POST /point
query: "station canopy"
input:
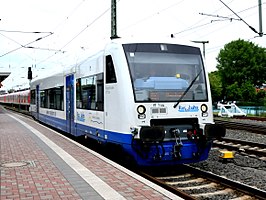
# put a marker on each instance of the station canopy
(3, 76)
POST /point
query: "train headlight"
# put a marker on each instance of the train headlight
(204, 108)
(141, 109)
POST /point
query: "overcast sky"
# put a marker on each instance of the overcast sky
(79, 25)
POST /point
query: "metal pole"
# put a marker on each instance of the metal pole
(203, 43)
(260, 19)
(113, 20)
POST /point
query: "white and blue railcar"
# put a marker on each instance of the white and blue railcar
(151, 99)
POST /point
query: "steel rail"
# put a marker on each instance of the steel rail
(259, 129)
(252, 191)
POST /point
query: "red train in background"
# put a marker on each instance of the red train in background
(19, 99)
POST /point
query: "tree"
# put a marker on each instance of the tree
(241, 64)
(216, 86)
(248, 91)
(233, 92)
(261, 97)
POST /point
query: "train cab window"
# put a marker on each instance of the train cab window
(33, 96)
(110, 70)
(166, 72)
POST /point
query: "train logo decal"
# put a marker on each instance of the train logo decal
(189, 108)
(96, 119)
(81, 117)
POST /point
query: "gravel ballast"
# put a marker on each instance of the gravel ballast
(244, 168)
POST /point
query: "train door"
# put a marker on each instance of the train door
(70, 124)
(37, 101)
(110, 94)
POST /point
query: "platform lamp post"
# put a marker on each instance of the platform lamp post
(203, 43)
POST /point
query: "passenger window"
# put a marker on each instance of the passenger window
(110, 70)
(89, 92)
(33, 96)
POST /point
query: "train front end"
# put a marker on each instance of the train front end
(173, 119)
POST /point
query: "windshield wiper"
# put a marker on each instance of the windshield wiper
(188, 88)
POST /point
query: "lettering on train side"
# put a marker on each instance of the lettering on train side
(96, 119)
(51, 113)
(188, 108)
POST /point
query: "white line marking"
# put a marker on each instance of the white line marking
(100, 186)
(121, 168)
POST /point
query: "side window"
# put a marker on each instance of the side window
(44, 98)
(56, 96)
(33, 96)
(110, 70)
(52, 98)
(89, 92)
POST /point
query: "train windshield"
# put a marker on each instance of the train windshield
(166, 72)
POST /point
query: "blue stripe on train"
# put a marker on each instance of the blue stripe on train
(95, 133)
(125, 140)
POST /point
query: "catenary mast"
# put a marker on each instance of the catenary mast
(113, 20)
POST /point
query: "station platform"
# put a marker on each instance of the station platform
(39, 163)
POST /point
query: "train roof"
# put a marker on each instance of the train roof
(99, 49)
(153, 40)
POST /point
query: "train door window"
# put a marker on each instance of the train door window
(86, 93)
(100, 93)
(33, 96)
(110, 70)
(44, 98)
(78, 93)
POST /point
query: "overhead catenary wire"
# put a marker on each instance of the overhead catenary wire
(154, 14)
(25, 45)
(34, 32)
(18, 31)
(78, 34)
(69, 15)
(219, 16)
(252, 28)
(209, 50)
(195, 26)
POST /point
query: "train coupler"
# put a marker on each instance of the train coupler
(178, 143)
(177, 151)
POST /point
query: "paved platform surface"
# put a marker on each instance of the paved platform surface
(38, 163)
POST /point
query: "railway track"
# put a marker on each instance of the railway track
(194, 183)
(259, 129)
(253, 148)
(252, 118)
